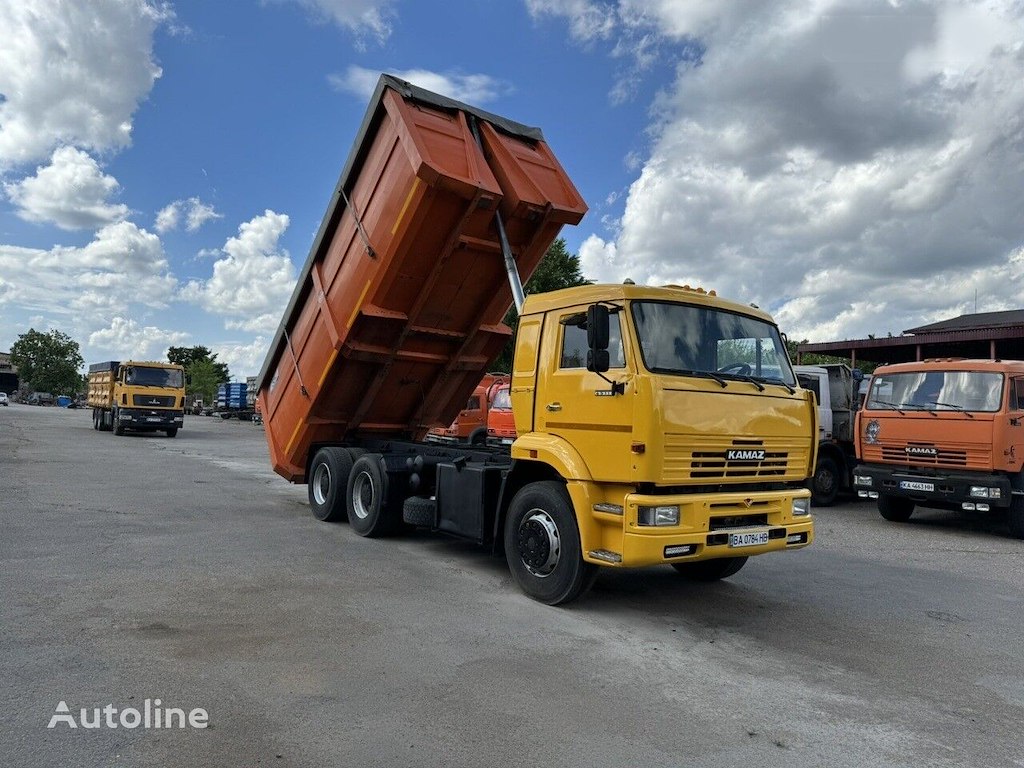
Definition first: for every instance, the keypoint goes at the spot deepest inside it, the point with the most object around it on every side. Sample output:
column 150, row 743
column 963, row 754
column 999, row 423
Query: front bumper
column 735, row 524
column 941, row 489
column 149, row 418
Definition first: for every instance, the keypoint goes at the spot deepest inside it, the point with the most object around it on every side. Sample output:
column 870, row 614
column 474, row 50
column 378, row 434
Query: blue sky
column 854, row 167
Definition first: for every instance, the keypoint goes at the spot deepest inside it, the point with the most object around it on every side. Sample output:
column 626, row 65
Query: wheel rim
column 538, row 543
column 362, row 495
column 321, row 483
column 826, row 481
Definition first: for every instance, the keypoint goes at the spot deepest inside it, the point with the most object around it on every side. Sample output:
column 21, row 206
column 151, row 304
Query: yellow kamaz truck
column 655, row 425
column 137, row 396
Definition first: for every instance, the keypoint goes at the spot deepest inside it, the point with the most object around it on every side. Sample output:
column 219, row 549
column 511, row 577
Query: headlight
column 667, row 515
column 861, row 480
column 984, row 492
column 801, row 507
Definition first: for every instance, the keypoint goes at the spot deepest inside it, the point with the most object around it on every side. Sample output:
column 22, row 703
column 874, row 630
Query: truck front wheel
column 117, row 425
column 895, row 508
column 366, row 500
column 542, row 545
column 328, row 479
column 825, row 484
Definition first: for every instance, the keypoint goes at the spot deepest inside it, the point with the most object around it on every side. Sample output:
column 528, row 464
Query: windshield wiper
column 701, row 374
column 744, row 377
column 959, row 408
column 890, row 406
column 779, row 382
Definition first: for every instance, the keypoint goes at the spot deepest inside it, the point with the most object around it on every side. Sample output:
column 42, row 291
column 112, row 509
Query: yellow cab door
column 581, row 407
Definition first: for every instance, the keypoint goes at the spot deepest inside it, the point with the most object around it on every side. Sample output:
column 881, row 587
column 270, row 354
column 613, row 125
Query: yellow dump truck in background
column 137, row 396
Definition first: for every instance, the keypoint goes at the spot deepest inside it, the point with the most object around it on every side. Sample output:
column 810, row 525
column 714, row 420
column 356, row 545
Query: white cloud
column 853, row 166
column 242, row 359
column 360, row 17
column 253, row 281
column 195, row 211
column 73, row 73
column 472, row 89
column 126, row 339
column 71, row 192
column 122, row 266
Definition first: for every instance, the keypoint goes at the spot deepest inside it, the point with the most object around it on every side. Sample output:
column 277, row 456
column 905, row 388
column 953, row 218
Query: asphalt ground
column 143, row 567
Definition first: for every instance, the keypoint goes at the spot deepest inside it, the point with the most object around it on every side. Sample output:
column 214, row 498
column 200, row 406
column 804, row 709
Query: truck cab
column 836, row 390
column 946, row 434
column 470, row 426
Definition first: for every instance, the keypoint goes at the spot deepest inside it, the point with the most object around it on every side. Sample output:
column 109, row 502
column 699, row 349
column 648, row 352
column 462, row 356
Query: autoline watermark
column 151, row 715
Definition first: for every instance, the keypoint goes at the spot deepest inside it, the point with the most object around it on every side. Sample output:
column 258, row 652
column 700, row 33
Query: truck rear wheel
column 711, row 570
column 366, row 499
column 328, row 478
column 542, row 545
column 825, row 483
column 895, row 508
column 95, row 419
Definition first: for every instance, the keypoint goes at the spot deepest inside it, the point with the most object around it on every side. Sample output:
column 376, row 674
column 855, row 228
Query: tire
column 420, row 512
column 542, row 545
column 896, row 509
column 1016, row 516
column 95, row 419
column 478, row 438
column 326, row 484
column 172, row 432
column 367, row 496
column 825, row 483
column 116, row 425
column 711, row 570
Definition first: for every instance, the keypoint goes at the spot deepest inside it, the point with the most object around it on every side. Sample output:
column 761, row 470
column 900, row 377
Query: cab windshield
column 141, row 376
column 937, row 391
column 502, row 400
column 690, row 340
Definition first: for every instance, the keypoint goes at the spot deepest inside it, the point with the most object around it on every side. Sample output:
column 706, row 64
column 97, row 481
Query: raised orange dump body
column 397, row 313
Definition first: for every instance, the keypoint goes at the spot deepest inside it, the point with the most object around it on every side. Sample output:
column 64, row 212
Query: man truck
column 137, row 397
column 655, row 425
column 947, row 434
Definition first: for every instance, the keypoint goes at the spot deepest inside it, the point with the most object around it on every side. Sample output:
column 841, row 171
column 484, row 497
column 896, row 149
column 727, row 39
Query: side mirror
column 597, row 338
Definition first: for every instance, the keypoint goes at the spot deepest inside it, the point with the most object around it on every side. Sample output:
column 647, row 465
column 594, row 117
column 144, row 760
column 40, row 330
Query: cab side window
column 574, row 345
column 1017, row 395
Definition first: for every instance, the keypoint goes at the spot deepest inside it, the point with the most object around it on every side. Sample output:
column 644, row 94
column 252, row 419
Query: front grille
column 944, row 457
column 153, row 401
column 690, row 458
column 948, row 455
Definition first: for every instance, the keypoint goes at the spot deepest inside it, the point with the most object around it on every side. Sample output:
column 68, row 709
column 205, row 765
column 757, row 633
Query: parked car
column 3, row 398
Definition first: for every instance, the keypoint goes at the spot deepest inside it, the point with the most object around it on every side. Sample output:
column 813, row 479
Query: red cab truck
column 470, row 426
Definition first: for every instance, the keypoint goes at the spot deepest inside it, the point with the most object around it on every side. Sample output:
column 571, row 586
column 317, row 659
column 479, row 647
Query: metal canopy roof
column 983, row 335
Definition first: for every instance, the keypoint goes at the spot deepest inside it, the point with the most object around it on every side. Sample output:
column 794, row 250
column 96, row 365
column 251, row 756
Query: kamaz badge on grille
column 745, row 454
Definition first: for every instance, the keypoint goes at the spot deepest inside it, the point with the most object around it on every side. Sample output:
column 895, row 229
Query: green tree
column 204, row 376
column 48, row 362
column 186, row 356
column 558, row 269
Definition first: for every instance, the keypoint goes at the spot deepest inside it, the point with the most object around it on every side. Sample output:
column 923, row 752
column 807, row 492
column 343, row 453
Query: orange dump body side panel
column 399, row 311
